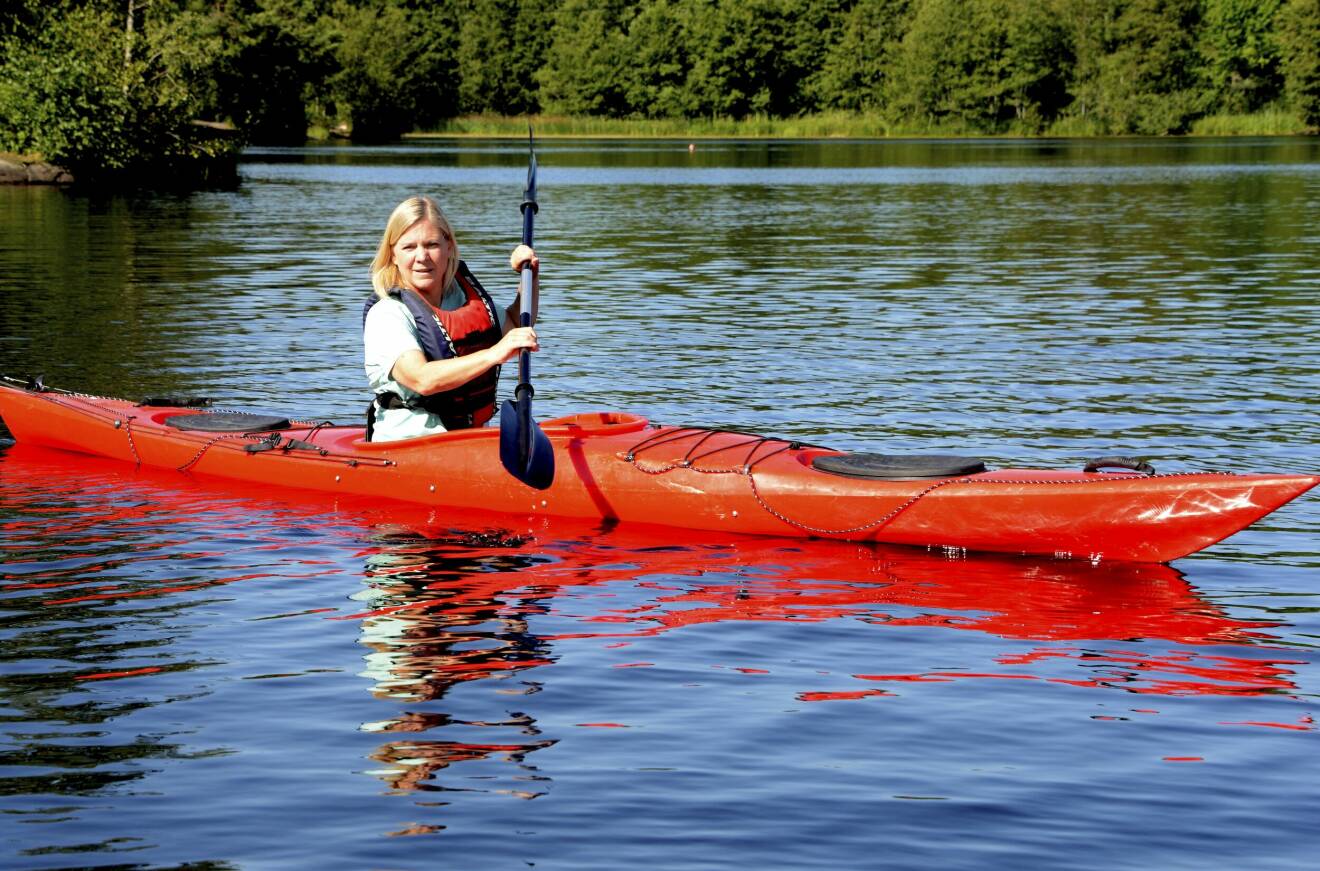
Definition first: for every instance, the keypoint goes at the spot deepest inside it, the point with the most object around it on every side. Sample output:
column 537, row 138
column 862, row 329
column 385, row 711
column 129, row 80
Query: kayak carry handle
column 1135, row 464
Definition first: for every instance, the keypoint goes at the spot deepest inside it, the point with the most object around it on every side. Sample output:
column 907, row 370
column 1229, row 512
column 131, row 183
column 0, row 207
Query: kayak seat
column 898, row 467
column 235, row 421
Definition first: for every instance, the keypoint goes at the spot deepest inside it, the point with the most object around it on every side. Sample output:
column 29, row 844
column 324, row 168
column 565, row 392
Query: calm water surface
column 214, row 676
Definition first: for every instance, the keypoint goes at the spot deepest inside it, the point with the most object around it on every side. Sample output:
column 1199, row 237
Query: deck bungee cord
column 701, row 436
column 662, row 438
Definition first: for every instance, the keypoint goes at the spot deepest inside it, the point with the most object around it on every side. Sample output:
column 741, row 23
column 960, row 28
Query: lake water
column 204, row 675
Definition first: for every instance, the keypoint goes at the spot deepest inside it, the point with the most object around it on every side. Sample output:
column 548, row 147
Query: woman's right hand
column 514, row 341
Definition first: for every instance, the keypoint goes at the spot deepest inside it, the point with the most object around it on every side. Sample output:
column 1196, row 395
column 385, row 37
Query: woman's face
column 421, row 254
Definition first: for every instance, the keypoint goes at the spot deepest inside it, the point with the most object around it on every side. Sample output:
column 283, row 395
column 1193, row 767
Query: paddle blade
column 525, row 451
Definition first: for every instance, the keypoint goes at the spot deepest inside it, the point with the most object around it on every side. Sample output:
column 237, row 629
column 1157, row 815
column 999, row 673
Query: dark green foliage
column 739, row 61
column 387, row 85
column 982, row 65
column 261, row 84
column 85, row 92
column 16, row 16
column 1087, row 24
column 501, row 45
column 657, row 59
column 860, row 59
column 1299, row 42
column 586, row 68
column 693, row 58
column 1241, row 52
column 1150, row 77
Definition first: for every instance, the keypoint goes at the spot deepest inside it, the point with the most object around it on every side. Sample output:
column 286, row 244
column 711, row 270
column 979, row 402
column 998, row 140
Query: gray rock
column 12, row 173
column 46, row 173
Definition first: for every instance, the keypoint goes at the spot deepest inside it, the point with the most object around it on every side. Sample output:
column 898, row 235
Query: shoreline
column 774, row 137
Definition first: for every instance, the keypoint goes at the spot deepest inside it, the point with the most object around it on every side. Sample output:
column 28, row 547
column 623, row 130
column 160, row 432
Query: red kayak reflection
column 1099, row 607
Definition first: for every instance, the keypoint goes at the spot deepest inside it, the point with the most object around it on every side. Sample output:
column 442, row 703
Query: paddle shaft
column 526, row 287
column 525, row 451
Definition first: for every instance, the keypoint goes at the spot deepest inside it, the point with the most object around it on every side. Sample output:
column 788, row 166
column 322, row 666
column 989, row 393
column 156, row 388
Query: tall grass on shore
column 821, row 126
column 825, row 125
column 1267, row 122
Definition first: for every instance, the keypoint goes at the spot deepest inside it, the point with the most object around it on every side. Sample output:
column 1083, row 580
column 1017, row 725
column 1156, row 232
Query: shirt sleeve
column 389, row 331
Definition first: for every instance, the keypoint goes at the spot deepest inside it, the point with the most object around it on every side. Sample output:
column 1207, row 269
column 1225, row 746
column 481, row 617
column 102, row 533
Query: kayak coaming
column 619, row 467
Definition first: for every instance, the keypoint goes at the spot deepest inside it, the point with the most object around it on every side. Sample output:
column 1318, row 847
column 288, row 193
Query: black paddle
column 524, row 450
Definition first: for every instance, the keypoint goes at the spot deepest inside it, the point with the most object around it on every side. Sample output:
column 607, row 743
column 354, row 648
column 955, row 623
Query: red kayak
column 618, row 467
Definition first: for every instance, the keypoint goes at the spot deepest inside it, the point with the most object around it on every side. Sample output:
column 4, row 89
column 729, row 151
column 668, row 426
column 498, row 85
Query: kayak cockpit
column 593, row 423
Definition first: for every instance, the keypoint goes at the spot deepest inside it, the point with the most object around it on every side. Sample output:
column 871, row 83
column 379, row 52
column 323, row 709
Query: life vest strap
column 388, row 399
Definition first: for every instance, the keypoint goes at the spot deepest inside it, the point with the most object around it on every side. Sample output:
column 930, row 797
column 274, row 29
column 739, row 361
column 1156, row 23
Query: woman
column 433, row 339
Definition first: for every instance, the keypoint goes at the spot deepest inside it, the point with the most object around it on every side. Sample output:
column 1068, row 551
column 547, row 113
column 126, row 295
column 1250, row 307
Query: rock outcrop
column 16, row 171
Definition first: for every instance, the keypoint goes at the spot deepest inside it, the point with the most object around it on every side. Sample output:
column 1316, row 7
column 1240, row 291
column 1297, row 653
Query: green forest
column 118, row 86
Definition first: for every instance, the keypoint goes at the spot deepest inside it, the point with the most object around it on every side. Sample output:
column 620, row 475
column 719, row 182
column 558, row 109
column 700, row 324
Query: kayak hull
column 619, row 467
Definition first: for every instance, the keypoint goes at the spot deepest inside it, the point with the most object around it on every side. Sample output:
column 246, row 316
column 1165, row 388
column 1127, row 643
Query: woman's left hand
column 523, row 255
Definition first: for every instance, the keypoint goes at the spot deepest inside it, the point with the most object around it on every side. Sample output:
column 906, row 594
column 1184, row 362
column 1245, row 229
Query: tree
column 981, row 64
column 659, row 51
column 276, row 60
column 858, row 65
column 1299, row 40
column 1150, row 78
column 80, row 95
column 587, row 63
column 1037, row 63
column 1241, row 52
column 743, row 62
column 813, row 28
column 19, row 16
column 1087, row 25
column 397, row 67
column 501, row 44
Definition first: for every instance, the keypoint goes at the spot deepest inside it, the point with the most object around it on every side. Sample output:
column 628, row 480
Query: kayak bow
column 619, row 467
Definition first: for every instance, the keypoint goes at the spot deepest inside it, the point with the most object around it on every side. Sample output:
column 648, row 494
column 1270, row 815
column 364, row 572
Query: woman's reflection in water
column 438, row 619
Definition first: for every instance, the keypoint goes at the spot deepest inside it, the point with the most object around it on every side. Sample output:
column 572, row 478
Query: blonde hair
column 384, row 274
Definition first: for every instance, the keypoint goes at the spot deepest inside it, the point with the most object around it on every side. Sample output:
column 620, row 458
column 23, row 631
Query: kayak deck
column 619, row 467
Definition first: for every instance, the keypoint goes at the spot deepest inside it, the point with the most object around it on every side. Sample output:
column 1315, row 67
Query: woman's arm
column 413, row 371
